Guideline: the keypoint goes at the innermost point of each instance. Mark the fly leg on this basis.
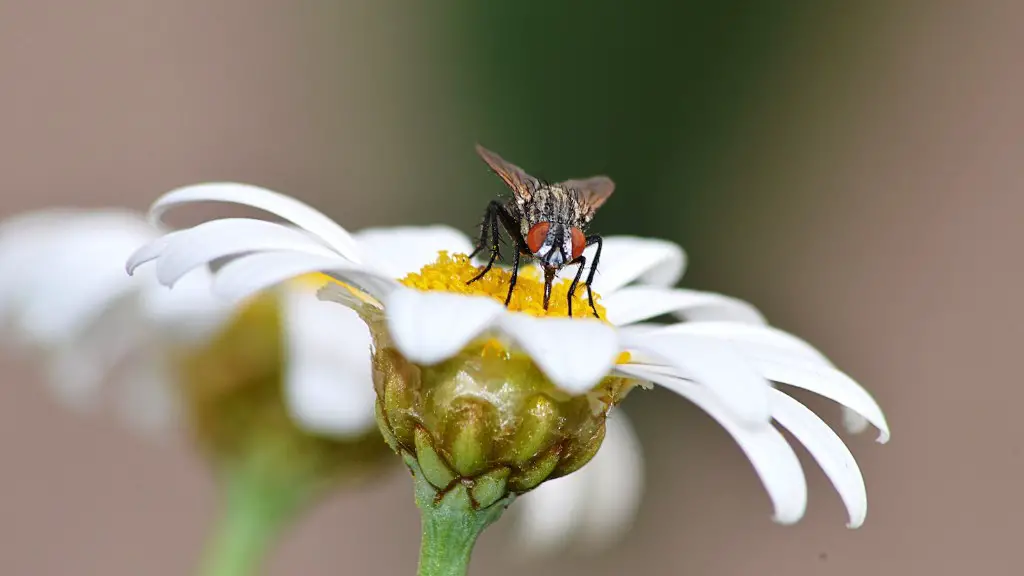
(593, 239)
(490, 224)
(582, 261)
(511, 226)
(512, 280)
(496, 213)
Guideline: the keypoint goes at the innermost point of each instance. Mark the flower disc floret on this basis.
(450, 273)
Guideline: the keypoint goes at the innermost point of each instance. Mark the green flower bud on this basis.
(487, 419)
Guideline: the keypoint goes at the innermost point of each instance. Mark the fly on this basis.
(546, 222)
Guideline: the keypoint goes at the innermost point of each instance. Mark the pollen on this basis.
(449, 273)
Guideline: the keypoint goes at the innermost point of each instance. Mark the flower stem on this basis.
(254, 510)
(451, 525)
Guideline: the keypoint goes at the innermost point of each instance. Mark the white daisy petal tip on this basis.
(576, 354)
(852, 421)
(828, 450)
(147, 253)
(883, 434)
(767, 450)
(430, 327)
(782, 357)
(788, 516)
(286, 207)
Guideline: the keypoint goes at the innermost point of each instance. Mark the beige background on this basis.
(875, 208)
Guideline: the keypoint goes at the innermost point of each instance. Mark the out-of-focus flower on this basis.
(226, 371)
(490, 401)
(65, 298)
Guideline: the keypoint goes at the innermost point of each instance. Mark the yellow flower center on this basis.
(450, 273)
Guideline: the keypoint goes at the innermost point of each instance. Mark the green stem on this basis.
(451, 526)
(254, 510)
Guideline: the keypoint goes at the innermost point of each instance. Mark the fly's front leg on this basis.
(512, 280)
(593, 239)
(582, 261)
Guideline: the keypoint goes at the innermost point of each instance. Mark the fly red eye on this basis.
(579, 242)
(536, 236)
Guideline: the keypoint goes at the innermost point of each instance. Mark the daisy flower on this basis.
(485, 402)
(221, 370)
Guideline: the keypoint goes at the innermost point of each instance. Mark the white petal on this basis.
(206, 243)
(854, 422)
(635, 303)
(828, 382)
(574, 353)
(296, 212)
(151, 251)
(595, 504)
(430, 327)
(753, 339)
(715, 364)
(828, 450)
(782, 357)
(247, 275)
(399, 251)
(772, 457)
(329, 382)
(627, 259)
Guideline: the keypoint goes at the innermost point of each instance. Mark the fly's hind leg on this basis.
(512, 280)
(489, 225)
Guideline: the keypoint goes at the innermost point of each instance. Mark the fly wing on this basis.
(592, 192)
(522, 184)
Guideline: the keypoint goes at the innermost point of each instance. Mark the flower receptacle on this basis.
(486, 420)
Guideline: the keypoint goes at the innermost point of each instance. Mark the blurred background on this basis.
(855, 171)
